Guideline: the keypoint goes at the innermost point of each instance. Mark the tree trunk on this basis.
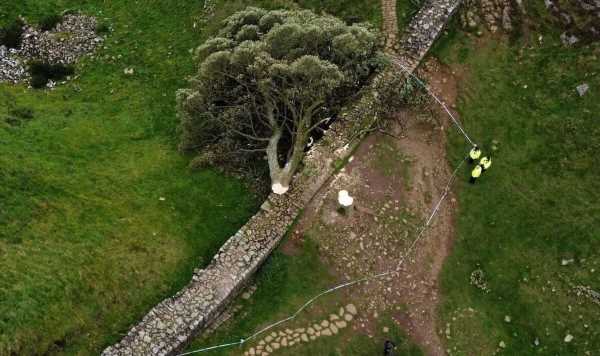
(281, 177)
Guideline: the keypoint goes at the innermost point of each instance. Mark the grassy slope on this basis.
(539, 203)
(86, 246)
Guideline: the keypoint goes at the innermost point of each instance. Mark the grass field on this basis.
(99, 216)
(87, 242)
(537, 207)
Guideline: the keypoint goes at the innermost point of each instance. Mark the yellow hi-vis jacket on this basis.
(475, 153)
(476, 172)
(486, 162)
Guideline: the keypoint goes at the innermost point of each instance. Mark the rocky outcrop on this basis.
(74, 37)
(170, 324)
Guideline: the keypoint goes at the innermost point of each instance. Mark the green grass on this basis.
(87, 246)
(349, 10)
(537, 205)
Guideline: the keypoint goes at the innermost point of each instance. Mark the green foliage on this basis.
(11, 35)
(293, 64)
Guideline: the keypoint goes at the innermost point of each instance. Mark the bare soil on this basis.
(396, 178)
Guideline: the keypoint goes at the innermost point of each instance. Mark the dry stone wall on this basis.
(169, 325)
(424, 29)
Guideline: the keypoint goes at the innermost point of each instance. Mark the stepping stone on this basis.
(342, 311)
(300, 330)
(310, 331)
(269, 349)
(251, 352)
(275, 346)
(312, 337)
(341, 324)
(269, 338)
(304, 337)
(348, 317)
(326, 332)
(325, 323)
(333, 329)
(317, 327)
(333, 317)
(284, 342)
(351, 309)
(261, 342)
(289, 331)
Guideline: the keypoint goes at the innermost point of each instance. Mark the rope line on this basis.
(350, 283)
(442, 104)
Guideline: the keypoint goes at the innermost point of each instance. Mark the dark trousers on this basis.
(472, 180)
(388, 347)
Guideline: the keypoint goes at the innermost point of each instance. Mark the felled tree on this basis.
(268, 81)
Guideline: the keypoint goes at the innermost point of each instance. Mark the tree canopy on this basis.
(268, 80)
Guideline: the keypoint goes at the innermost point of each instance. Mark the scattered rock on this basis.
(582, 90)
(569, 338)
(568, 40)
(341, 324)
